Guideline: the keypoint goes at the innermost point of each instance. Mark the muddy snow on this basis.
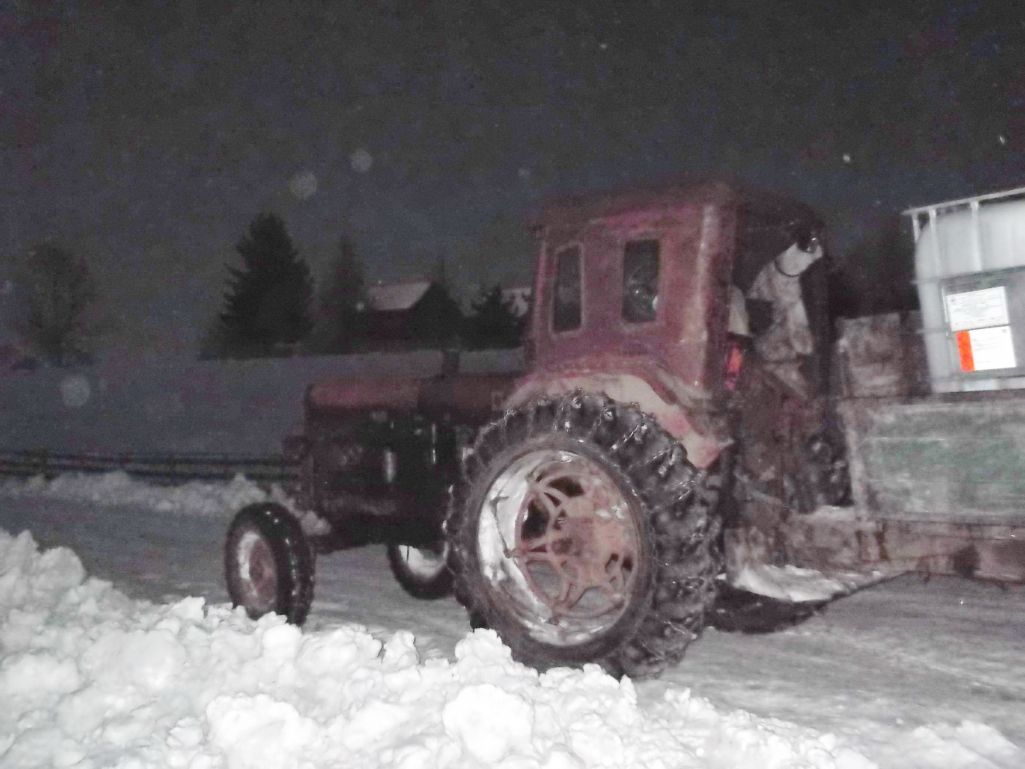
(144, 664)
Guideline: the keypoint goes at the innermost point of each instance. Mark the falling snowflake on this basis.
(846, 158)
(361, 160)
(303, 185)
(1002, 139)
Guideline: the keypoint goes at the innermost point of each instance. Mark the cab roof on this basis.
(762, 204)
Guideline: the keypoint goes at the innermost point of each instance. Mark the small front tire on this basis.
(269, 563)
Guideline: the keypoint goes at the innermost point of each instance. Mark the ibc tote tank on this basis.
(974, 251)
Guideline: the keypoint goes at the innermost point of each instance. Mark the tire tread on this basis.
(681, 524)
(292, 553)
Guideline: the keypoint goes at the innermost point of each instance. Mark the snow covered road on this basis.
(905, 674)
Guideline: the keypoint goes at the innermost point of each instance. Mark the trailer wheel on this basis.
(580, 535)
(423, 571)
(269, 563)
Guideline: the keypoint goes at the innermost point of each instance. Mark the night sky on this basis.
(146, 136)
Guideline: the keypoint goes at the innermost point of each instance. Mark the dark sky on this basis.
(146, 136)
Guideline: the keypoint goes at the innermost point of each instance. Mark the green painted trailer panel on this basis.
(951, 458)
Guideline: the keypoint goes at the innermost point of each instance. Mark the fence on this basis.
(159, 468)
(171, 420)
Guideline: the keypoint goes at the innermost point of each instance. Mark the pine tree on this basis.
(439, 275)
(492, 322)
(436, 320)
(340, 317)
(267, 304)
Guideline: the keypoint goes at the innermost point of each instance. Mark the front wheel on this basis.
(269, 563)
(579, 536)
(423, 571)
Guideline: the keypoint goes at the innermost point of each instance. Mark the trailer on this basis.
(933, 404)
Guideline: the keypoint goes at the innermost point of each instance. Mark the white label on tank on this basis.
(992, 348)
(977, 309)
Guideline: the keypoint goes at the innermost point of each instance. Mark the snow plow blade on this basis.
(762, 598)
(741, 611)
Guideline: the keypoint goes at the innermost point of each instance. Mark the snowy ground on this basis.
(136, 674)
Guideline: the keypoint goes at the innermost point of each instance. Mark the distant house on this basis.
(410, 315)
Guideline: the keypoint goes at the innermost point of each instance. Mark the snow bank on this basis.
(90, 678)
(118, 488)
(214, 499)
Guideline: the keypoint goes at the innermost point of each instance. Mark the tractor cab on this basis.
(669, 274)
(673, 292)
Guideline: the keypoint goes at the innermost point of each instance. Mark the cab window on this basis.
(640, 281)
(566, 310)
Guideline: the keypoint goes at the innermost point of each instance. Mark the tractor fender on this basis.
(702, 434)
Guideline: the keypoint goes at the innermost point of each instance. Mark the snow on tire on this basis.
(579, 537)
(269, 563)
(422, 571)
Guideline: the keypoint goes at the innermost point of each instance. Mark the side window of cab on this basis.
(640, 281)
(567, 299)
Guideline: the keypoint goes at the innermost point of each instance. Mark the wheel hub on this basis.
(259, 573)
(561, 546)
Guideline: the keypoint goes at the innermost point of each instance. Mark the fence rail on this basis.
(159, 468)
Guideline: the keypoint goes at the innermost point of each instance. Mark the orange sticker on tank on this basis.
(964, 349)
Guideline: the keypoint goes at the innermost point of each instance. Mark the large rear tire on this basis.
(269, 563)
(580, 535)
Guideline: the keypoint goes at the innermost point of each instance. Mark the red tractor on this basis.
(677, 344)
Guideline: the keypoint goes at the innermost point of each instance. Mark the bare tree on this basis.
(57, 288)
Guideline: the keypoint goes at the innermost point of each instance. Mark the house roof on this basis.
(394, 297)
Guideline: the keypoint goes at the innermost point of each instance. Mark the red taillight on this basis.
(734, 361)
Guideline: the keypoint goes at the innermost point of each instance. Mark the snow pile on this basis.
(89, 677)
(118, 488)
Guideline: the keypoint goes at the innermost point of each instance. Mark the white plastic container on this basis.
(963, 238)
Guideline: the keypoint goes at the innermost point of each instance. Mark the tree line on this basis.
(270, 306)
